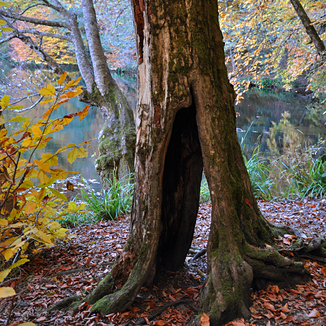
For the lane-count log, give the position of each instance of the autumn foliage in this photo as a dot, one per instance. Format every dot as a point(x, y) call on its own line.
point(31, 207)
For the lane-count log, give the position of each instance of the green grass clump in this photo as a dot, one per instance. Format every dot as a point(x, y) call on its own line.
point(110, 203)
point(258, 171)
point(205, 195)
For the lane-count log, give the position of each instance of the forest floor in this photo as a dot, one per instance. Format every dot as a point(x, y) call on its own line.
point(76, 267)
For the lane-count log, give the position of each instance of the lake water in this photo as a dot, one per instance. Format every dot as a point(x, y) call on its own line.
point(256, 113)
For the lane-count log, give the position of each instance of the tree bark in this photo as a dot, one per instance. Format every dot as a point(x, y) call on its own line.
point(185, 122)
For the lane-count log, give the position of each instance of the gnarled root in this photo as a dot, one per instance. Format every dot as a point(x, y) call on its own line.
point(269, 267)
point(226, 292)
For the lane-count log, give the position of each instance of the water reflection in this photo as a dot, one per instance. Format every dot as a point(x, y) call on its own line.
point(257, 111)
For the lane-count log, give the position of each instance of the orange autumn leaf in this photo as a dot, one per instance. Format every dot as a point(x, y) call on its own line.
point(269, 306)
point(285, 308)
point(204, 319)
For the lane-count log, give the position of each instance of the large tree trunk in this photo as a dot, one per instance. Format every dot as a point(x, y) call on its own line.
point(186, 121)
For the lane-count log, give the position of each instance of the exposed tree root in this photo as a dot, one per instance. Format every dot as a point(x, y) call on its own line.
point(65, 304)
point(270, 267)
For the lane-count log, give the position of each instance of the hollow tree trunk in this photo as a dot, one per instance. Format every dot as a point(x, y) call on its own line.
point(186, 121)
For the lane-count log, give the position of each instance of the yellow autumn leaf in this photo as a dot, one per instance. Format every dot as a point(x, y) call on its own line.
point(30, 207)
point(77, 152)
point(3, 133)
point(59, 173)
point(48, 101)
point(27, 324)
point(42, 166)
point(13, 213)
point(6, 29)
point(8, 253)
point(18, 119)
point(4, 274)
point(54, 225)
point(3, 222)
point(58, 194)
point(43, 237)
point(19, 262)
point(61, 233)
point(72, 83)
point(54, 128)
point(50, 158)
point(49, 90)
point(43, 177)
point(27, 142)
point(16, 225)
point(4, 101)
point(62, 78)
point(27, 184)
point(6, 292)
point(72, 205)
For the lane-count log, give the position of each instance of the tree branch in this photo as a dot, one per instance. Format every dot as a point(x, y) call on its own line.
point(32, 6)
point(310, 29)
point(35, 32)
point(29, 42)
point(32, 20)
point(8, 38)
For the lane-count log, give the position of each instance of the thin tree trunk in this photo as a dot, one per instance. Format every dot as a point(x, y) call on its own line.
point(310, 29)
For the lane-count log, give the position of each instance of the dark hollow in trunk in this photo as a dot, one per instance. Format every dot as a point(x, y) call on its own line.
point(181, 188)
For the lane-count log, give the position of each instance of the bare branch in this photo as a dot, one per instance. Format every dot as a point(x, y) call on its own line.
point(8, 38)
point(34, 32)
point(28, 41)
point(58, 7)
point(32, 6)
point(32, 20)
point(32, 106)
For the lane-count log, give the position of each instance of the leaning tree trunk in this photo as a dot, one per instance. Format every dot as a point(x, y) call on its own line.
point(117, 136)
point(186, 122)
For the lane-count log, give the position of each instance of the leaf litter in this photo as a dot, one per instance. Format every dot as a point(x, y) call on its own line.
point(76, 267)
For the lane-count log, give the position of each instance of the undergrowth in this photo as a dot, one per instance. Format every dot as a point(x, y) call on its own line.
point(112, 202)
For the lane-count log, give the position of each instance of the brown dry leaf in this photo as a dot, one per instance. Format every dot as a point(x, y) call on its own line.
point(323, 270)
point(159, 322)
point(204, 319)
point(285, 308)
point(314, 313)
point(286, 241)
point(269, 315)
point(269, 306)
point(237, 323)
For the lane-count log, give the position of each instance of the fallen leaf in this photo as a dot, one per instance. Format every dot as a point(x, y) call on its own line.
point(159, 322)
point(314, 314)
point(6, 292)
point(269, 306)
point(204, 320)
point(285, 308)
